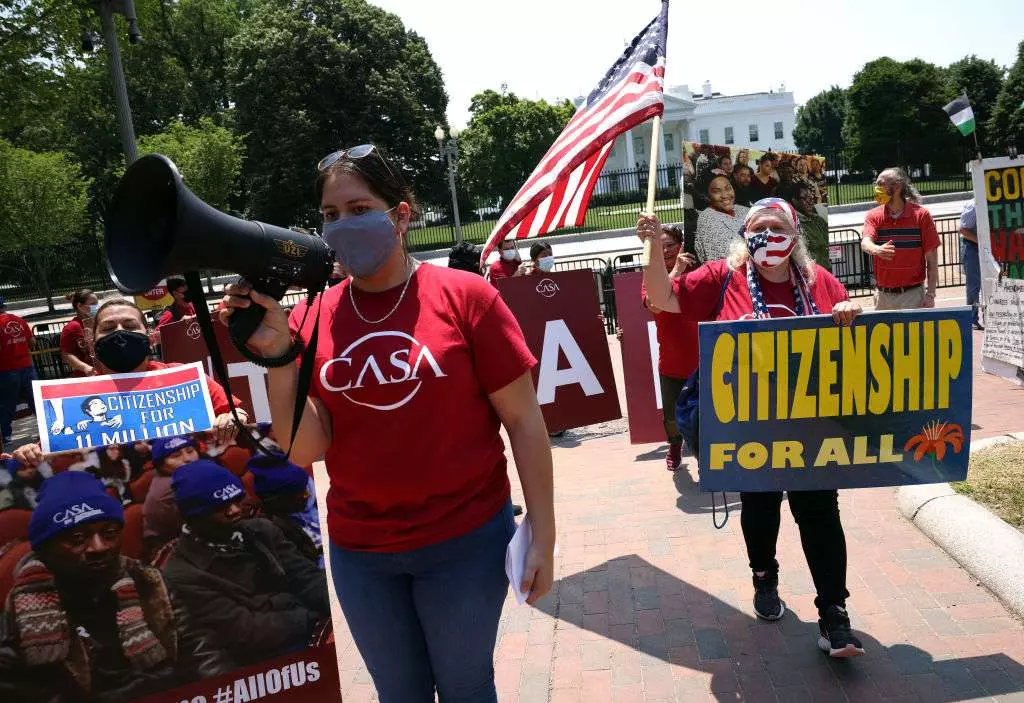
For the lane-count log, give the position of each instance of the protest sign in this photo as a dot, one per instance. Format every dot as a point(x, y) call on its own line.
point(561, 321)
point(156, 298)
point(639, 360)
point(96, 411)
point(800, 403)
point(999, 206)
point(183, 342)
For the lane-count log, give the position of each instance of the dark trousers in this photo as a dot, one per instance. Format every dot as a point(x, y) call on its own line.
point(972, 272)
point(821, 533)
point(15, 386)
point(670, 389)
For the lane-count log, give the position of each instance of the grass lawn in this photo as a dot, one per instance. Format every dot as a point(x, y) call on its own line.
point(995, 478)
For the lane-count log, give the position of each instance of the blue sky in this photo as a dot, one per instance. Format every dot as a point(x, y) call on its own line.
point(561, 48)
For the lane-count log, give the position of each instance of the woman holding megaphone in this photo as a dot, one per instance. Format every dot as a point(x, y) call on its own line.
point(417, 368)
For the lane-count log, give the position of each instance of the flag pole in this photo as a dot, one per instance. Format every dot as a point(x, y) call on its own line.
point(652, 183)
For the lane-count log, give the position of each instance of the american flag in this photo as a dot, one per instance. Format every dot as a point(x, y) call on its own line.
point(558, 191)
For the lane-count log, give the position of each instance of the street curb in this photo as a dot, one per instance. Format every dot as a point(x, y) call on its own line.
point(983, 544)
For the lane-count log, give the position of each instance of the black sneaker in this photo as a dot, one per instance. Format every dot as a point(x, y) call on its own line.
point(767, 603)
point(835, 637)
point(517, 510)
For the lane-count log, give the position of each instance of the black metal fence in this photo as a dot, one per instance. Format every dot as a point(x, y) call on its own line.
point(52, 271)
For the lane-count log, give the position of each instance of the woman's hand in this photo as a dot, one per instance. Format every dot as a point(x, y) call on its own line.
point(224, 427)
point(29, 454)
point(684, 262)
point(272, 338)
point(845, 311)
point(649, 227)
point(538, 571)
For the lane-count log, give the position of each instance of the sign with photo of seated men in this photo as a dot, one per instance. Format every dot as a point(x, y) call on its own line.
point(234, 608)
point(800, 403)
point(96, 411)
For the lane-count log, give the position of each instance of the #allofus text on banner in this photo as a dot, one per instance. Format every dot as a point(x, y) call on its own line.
point(561, 321)
point(639, 360)
point(803, 404)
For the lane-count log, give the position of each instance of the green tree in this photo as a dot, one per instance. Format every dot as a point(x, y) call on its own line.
point(43, 201)
point(894, 116)
point(209, 158)
point(819, 123)
point(981, 80)
point(505, 139)
point(312, 76)
point(1006, 125)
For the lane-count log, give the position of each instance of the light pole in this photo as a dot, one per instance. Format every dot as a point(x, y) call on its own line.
point(106, 9)
point(450, 150)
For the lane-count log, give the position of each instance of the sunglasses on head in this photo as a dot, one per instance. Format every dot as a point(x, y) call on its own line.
point(356, 152)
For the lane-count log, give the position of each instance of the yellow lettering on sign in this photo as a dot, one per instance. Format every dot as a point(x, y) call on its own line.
point(928, 380)
point(762, 354)
point(951, 356)
point(905, 370)
point(855, 370)
point(1011, 184)
point(860, 451)
point(881, 388)
point(721, 364)
point(833, 449)
point(803, 403)
point(721, 452)
point(885, 453)
point(787, 454)
point(992, 195)
point(782, 377)
point(828, 372)
point(752, 455)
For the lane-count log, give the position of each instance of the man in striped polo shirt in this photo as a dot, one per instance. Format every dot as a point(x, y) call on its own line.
point(900, 234)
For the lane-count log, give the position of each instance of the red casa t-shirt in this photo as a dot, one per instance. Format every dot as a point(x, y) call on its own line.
point(74, 340)
point(415, 456)
point(218, 398)
point(296, 315)
point(698, 292)
point(677, 342)
point(914, 235)
point(168, 315)
point(501, 269)
point(15, 342)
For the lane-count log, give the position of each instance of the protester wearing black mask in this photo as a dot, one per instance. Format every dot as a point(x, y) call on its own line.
point(121, 345)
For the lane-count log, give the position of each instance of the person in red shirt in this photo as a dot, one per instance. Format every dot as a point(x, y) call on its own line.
point(900, 234)
point(769, 274)
point(417, 368)
point(16, 369)
point(677, 344)
point(178, 289)
point(121, 345)
point(508, 261)
point(76, 336)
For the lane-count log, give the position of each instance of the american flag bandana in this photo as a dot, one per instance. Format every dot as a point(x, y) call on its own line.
point(768, 248)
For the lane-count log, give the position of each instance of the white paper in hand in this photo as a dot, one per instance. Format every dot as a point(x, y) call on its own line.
point(515, 559)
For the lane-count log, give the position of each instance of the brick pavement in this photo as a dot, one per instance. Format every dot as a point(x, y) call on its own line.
point(652, 603)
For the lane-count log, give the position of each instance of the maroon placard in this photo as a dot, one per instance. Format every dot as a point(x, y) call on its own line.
point(182, 342)
point(639, 360)
point(561, 320)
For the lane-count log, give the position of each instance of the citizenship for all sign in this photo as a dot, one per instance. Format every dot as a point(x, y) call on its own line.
point(97, 411)
point(639, 361)
point(802, 404)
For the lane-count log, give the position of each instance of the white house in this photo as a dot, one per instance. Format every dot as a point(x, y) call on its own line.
point(758, 121)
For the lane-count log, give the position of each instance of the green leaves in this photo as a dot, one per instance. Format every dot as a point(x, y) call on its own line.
point(1006, 125)
point(819, 123)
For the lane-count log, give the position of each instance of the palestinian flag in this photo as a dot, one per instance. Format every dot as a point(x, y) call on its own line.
point(962, 115)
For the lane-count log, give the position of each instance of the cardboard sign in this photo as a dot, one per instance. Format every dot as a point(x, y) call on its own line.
point(800, 403)
point(98, 411)
point(639, 360)
point(182, 342)
point(157, 298)
point(561, 320)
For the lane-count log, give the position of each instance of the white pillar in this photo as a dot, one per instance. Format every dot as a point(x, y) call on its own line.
point(662, 158)
point(630, 158)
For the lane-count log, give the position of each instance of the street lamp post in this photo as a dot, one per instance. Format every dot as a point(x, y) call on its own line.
point(106, 10)
point(450, 151)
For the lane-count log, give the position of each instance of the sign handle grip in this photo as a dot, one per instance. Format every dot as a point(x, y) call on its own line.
point(652, 182)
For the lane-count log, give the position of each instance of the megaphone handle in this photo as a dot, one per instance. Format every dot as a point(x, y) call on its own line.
point(245, 321)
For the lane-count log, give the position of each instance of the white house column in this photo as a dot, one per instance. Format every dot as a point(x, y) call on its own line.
point(662, 157)
point(630, 158)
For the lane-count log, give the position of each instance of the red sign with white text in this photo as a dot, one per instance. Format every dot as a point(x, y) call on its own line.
point(182, 341)
point(639, 360)
point(561, 320)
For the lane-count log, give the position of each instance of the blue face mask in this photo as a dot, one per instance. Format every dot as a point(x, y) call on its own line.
point(362, 243)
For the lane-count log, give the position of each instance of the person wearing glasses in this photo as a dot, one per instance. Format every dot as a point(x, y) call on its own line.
point(420, 517)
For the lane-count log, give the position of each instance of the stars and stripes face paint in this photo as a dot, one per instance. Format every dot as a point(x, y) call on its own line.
point(770, 247)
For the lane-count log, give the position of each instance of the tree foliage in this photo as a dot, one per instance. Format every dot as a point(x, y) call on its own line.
point(894, 116)
point(981, 80)
point(506, 138)
point(209, 158)
point(1006, 125)
point(314, 76)
point(819, 123)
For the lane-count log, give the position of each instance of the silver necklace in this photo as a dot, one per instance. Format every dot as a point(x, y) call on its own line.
point(352, 297)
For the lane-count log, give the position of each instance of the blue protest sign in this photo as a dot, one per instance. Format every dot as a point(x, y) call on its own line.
point(800, 403)
point(97, 411)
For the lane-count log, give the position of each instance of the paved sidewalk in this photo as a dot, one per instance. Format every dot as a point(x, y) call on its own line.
point(652, 603)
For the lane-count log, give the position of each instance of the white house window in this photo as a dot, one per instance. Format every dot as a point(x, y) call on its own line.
point(704, 137)
point(730, 138)
point(778, 130)
point(638, 148)
point(670, 142)
point(753, 133)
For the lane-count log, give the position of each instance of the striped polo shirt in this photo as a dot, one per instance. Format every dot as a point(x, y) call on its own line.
point(914, 235)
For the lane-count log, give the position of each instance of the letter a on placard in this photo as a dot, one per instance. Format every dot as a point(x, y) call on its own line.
point(557, 337)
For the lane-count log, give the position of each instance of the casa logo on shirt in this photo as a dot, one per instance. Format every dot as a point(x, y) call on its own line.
point(75, 514)
point(547, 288)
point(229, 492)
point(381, 370)
point(193, 331)
point(12, 328)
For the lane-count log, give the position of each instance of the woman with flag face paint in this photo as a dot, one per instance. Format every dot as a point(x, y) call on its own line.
point(769, 274)
point(420, 517)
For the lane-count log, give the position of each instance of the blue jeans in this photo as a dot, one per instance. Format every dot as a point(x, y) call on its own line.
point(15, 386)
point(972, 271)
point(428, 618)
